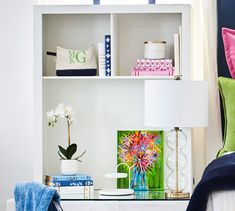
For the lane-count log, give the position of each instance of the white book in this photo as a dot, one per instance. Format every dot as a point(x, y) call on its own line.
point(101, 59)
point(176, 54)
point(180, 49)
point(75, 190)
point(76, 196)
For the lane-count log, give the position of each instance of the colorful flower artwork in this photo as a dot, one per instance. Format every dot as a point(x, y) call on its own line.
point(142, 151)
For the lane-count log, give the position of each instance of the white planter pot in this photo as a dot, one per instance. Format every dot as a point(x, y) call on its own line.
point(69, 167)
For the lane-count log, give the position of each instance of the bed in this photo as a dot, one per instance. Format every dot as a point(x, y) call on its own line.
point(221, 201)
point(224, 199)
point(216, 189)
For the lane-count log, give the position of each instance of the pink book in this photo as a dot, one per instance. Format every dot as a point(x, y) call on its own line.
point(152, 71)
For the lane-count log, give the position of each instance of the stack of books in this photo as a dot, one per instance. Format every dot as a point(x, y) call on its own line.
point(146, 67)
point(78, 186)
point(101, 59)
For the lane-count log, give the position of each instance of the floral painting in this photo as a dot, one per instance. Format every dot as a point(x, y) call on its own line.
point(142, 151)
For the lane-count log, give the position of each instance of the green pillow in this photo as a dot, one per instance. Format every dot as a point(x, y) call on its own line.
point(227, 91)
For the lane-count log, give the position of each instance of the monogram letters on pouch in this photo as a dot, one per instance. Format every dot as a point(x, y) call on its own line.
point(77, 56)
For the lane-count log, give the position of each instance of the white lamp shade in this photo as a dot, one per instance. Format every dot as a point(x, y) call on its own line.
point(176, 103)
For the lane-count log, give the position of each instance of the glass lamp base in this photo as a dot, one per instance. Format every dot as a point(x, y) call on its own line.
point(177, 195)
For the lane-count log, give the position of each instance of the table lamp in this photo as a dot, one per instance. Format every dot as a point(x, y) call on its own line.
point(176, 104)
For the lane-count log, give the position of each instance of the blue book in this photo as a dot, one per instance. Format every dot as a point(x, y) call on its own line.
point(76, 177)
point(107, 55)
point(71, 183)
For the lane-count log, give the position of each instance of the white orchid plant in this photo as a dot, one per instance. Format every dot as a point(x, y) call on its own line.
point(66, 112)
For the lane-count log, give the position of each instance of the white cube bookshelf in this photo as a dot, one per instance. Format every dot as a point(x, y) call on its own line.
point(103, 105)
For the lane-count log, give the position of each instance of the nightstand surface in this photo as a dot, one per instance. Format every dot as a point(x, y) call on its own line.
point(137, 196)
point(142, 200)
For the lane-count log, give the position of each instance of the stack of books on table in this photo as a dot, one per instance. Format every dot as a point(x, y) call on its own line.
point(78, 186)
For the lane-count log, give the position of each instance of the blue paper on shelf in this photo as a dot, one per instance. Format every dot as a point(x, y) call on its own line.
point(76, 177)
point(72, 183)
point(107, 55)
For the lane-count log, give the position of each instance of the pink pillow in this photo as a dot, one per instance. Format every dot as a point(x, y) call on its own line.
point(229, 47)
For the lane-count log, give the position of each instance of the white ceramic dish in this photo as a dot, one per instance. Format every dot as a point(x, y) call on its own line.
point(116, 192)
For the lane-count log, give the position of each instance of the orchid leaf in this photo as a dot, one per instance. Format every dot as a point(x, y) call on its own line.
point(62, 158)
point(71, 150)
point(63, 151)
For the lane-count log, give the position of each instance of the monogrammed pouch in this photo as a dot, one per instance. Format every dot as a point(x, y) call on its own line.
point(76, 62)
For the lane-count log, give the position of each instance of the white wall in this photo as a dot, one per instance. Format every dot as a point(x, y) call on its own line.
point(16, 91)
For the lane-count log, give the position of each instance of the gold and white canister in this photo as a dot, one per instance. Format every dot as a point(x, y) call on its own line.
point(155, 49)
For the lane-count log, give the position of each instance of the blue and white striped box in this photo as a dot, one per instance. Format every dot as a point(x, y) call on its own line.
point(108, 55)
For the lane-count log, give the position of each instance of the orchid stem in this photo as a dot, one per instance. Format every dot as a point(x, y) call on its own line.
point(68, 133)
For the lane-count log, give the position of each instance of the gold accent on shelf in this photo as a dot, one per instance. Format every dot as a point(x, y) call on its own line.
point(48, 181)
point(154, 42)
point(177, 195)
point(177, 77)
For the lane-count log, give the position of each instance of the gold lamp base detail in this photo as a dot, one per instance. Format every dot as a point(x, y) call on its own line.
point(177, 195)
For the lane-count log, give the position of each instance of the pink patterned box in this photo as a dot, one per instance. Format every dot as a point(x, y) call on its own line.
point(154, 63)
point(152, 71)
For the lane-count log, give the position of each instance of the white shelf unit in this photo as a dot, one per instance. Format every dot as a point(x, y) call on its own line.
point(129, 26)
point(108, 78)
point(103, 105)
